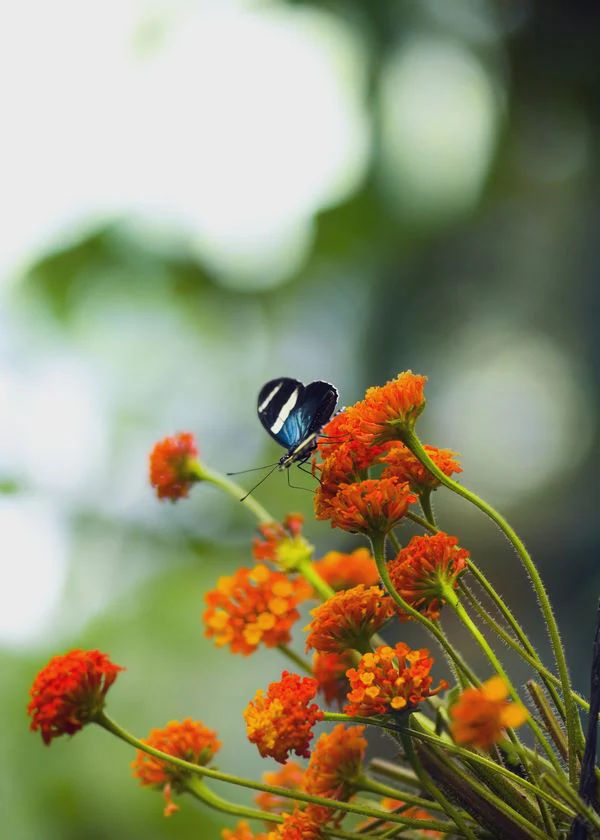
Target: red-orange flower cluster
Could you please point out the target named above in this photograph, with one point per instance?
(343, 571)
(282, 545)
(252, 607)
(330, 670)
(389, 409)
(302, 825)
(336, 763)
(69, 692)
(281, 721)
(422, 570)
(405, 466)
(171, 473)
(372, 506)
(189, 740)
(290, 776)
(390, 680)
(349, 619)
(480, 715)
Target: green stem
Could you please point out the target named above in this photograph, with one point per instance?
(200, 790)
(471, 756)
(111, 726)
(453, 601)
(307, 569)
(572, 718)
(232, 489)
(427, 507)
(431, 788)
(373, 786)
(522, 637)
(378, 546)
(422, 522)
(550, 679)
(294, 657)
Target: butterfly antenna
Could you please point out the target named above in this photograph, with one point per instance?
(264, 478)
(253, 469)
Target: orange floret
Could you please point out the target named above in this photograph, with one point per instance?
(253, 607)
(336, 762)
(390, 680)
(172, 463)
(404, 465)
(422, 569)
(189, 740)
(373, 506)
(349, 619)
(69, 692)
(281, 721)
(480, 715)
(343, 571)
(390, 409)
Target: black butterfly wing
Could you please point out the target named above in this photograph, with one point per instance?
(312, 410)
(290, 412)
(317, 406)
(276, 402)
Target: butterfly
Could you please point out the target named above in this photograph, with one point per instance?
(294, 414)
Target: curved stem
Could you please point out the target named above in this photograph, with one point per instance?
(307, 569)
(422, 522)
(232, 489)
(294, 657)
(431, 788)
(111, 726)
(378, 545)
(200, 790)
(454, 603)
(378, 788)
(572, 719)
(475, 758)
(427, 507)
(550, 679)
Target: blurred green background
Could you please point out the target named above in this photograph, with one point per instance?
(198, 196)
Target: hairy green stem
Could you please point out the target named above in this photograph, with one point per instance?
(232, 489)
(294, 657)
(572, 718)
(111, 726)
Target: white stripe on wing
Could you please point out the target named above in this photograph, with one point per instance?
(270, 396)
(285, 412)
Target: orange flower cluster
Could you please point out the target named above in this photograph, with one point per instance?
(349, 619)
(336, 763)
(343, 571)
(290, 776)
(281, 721)
(299, 825)
(480, 715)
(388, 409)
(282, 545)
(252, 607)
(330, 671)
(372, 506)
(189, 740)
(405, 466)
(170, 466)
(69, 692)
(424, 567)
(390, 680)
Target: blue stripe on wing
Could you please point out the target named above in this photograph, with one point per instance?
(295, 428)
